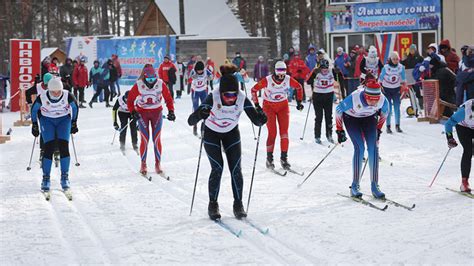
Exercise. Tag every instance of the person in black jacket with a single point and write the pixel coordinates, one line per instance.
(221, 111)
(121, 108)
(112, 79)
(65, 72)
(410, 62)
(172, 80)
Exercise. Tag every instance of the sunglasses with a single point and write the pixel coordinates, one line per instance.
(280, 69)
(150, 80)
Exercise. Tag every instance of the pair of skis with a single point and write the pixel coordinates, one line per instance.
(384, 208)
(238, 232)
(285, 171)
(67, 193)
(465, 194)
(149, 177)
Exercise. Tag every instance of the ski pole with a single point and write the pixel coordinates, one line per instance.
(316, 167)
(197, 170)
(28, 168)
(74, 148)
(113, 139)
(363, 169)
(253, 129)
(439, 169)
(120, 131)
(254, 163)
(306, 122)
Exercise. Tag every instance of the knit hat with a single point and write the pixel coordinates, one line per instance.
(372, 88)
(149, 72)
(46, 78)
(228, 81)
(55, 84)
(199, 66)
(413, 46)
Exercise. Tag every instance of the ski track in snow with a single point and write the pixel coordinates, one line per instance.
(118, 217)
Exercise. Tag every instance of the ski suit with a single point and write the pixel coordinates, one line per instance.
(121, 108)
(323, 98)
(199, 87)
(391, 78)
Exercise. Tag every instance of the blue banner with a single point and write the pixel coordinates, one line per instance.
(384, 16)
(135, 52)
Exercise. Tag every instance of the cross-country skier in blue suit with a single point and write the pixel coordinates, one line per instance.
(363, 112)
(57, 112)
(464, 122)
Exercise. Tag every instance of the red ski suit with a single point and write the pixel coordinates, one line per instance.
(275, 106)
(147, 102)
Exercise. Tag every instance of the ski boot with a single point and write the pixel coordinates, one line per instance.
(317, 140)
(376, 191)
(45, 183)
(81, 106)
(195, 130)
(213, 210)
(239, 212)
(65, 181)
(90, 104)
(389, 130)
(284, 161)
(122, 146)
(158, 168)
(143, 170)
(465, 185)
(135, 146)
(399, 130)
(355, 190)
(330, 139)
(269, 163)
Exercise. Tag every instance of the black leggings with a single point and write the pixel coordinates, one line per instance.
(230, 141)
(99, 91)
(124, 118)
(322, 102)
(465, 135)
(58, 144)
(79, 91)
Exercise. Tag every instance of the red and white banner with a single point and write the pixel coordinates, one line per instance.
(25, 65)
(404, 40)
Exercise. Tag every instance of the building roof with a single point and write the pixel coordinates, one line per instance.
(49, 51)
(203, 18)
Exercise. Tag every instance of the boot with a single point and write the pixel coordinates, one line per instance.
(81, 106)
(107, 105)
(330, 139)
(420, 101)
(376, 191)
(135, 146)
(239, 212)
(213, 210)
(269, 163)
(284, 161)
(45, 183)
(158, 168)
(317, 140)
(355, 190)
(389, 130)
(90, 104)
(465, 185)
(65, 181)
(399, 130)
(143, 170)
(195, 130)
(122, 146)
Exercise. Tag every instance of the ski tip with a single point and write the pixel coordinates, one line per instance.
(149, 178)
(385, 208)
(266, 231)
(238, 234)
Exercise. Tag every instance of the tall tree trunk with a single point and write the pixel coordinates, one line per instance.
(303, 25)
(111, 14)
(283, 21)
(253, 17)
(127, 18)
(117, 17)
(105, 19)
(270, 25)
(87, 17)
(48, 23)
(320, 37)
(182, 22)
(27, 19)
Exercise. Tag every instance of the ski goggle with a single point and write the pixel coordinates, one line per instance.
(230, 94)
(150, 80)
(280, 70)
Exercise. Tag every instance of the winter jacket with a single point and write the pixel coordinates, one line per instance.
(411, 60)
(464, 83)
(113, 73)
(452, 59)
(79, 76)
(352, 67)
(298, 69)
(66, 72)
(117, 65)
(360, 57)
(163, 70)
(260, 71)
(312, 58)
(104, 76)
(340, 63)
(94, 74)
(239, 62)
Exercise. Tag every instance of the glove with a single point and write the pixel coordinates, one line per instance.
(341, 136)
(74, 128)
(422, 69)
(299, 106)
(35, 129)
(262, 117)
(379, 132)
(258, 108)
(451, 141)
(171, 116)
(116, 126)
(204, 113)
(135, 115)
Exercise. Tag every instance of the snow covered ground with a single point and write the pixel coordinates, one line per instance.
(118, 217)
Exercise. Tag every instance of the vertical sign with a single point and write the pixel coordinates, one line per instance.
(404, 41)
(25, 65)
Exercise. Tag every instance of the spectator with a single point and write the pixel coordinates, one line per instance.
(45, 66)
(299, 71)
(240, 62)
(210, 65)
(286, 59)
(341, 62)
(102, 85)
(189, 68)
(260, 70)
(353, 81)
(412, 59)
(465, 76)
(452, 59)
(66, 72)
(80, 81)
(291, 53)
(94, 75)
(163, 71)
(370, 65)
(361, 53)
(113, 77)
(118, 67)
(55, 62)
(311, 59)
(181, 71)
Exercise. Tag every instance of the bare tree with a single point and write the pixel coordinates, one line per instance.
(303, 24)
(127, 18)
(270, 25)
(105, 19)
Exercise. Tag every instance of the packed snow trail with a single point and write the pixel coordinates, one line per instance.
(117, 216)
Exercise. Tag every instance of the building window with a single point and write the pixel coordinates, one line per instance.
(353, 41)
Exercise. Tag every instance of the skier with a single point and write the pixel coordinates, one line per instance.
(392, 79)
(323, 97)
(57, 112)
(275, 106)
(464, 123)
(221, 112)
(363, 113)
(144, 103)
(199, 79)
(121, 108)
(371, 65)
